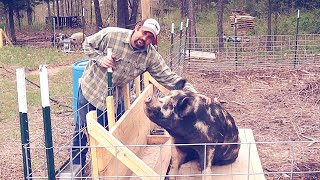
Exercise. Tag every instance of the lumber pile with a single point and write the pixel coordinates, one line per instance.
(243, 20)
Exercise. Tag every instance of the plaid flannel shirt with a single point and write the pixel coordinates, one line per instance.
(129, 64)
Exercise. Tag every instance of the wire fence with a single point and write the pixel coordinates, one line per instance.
(298, 159)
(254, 52)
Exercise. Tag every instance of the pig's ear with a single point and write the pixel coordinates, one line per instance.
(184, 106)
(179, 85)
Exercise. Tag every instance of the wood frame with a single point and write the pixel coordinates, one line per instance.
(113, 156)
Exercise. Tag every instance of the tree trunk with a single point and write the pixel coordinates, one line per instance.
(161, 6)
(19, 19)
(71, 8)
(49, 15)
(122, 13)
(58, 10)
(66, 4)
(29, 13)
(193, 30)
(220, 10)
(276, 15)
(91, 12)
(183, 8)
(113, 12)
(62, 8)
(99, 23)
(134, 5)
(11, 23)
(269, 26)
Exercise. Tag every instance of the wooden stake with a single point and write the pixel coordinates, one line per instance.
(126, 96)
(137, 85)
(111, 112)
(94, 153)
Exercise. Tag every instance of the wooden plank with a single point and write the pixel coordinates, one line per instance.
(126, 156)
(158, 158)
(242, 165)
(7, 38)
(254, 156)
(203, 55)
(146, 77)
(156, 84)
(93, 151)
(131, 129)
(163, 162)
(137, 86)
(240, 169)
(157, 139)
(126, 96)
(133, 119)
(111, 112)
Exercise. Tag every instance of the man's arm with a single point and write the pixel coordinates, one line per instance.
(163, 74)
(94, 45)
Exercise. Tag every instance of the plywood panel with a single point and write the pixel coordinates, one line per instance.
(131, 129)
(158, 158)
(247, 163)
(127, 157)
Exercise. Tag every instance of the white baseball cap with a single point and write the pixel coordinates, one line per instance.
(152, 26)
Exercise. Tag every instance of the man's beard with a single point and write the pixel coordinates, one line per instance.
(140, 45)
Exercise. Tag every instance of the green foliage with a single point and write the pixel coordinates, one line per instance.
(8, 102)
(310, 22)
(172, 4)
(31, 58)
(287, 25)
(206, 23)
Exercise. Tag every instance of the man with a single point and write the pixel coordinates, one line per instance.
(132, 55)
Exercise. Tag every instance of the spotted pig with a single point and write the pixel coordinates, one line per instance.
(190, 120)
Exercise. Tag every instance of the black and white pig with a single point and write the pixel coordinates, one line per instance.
(189, 119)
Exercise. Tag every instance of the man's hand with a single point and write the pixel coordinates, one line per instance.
(207, 99)
(106, 62)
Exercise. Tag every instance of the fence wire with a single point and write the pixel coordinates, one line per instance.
(254, 52)
(222, 72)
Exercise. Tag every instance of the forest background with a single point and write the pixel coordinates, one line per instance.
(207, 17)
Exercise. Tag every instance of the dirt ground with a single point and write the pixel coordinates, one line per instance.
(281, 106)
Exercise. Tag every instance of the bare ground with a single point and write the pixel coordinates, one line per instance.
(282, 106)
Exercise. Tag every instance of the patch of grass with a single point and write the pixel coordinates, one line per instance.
(61, 86)
(9, 99)
(31, 58)
(33, 92)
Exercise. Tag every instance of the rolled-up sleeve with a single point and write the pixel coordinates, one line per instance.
(163, 74)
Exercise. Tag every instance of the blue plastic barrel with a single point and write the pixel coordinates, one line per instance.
(77, 71)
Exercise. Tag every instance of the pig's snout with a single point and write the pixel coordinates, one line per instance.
(148, 99)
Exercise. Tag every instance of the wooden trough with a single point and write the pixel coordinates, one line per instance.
(128, 151)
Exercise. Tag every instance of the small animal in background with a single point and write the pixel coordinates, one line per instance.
(76, 39)
(59, 40)
(190, 120)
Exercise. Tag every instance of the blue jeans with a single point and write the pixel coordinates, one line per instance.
(80, 139)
